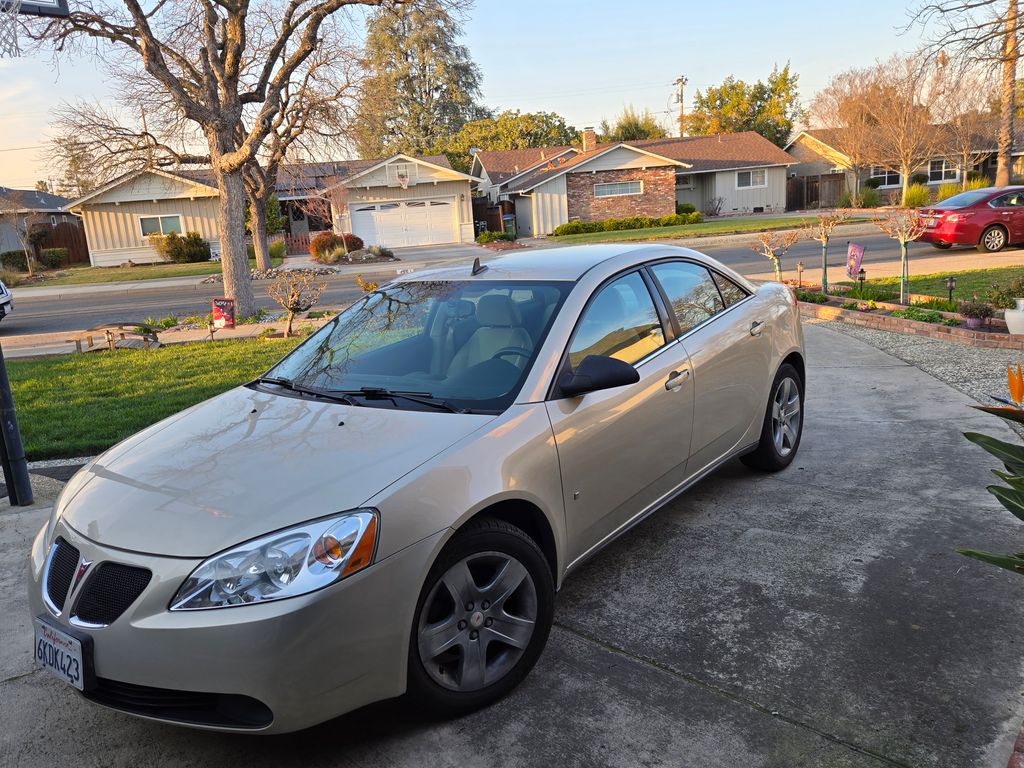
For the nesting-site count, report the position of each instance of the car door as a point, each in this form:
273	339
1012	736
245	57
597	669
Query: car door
726	333
620	450
1009	211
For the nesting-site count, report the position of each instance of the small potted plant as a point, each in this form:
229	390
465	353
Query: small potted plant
974	312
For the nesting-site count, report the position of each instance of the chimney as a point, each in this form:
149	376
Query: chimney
589	140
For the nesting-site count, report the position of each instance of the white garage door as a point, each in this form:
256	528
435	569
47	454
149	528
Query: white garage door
411	222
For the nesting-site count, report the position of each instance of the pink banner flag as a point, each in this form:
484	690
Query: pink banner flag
854	256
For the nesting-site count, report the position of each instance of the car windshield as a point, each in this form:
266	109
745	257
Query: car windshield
458	346
965	199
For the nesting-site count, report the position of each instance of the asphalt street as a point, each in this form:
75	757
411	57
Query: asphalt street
78	311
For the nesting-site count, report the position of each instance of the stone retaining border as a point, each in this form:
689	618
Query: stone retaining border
974	338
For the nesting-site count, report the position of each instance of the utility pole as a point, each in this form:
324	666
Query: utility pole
681	82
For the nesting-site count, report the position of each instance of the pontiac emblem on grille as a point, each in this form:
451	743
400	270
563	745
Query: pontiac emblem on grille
83	566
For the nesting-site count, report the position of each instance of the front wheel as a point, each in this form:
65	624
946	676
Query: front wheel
783	423
482	619
992	240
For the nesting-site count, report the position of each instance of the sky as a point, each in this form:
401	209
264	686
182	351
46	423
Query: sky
584	59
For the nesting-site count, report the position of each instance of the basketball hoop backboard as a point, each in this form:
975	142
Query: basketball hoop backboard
9	12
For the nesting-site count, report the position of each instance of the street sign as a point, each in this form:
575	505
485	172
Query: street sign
223	313
854	256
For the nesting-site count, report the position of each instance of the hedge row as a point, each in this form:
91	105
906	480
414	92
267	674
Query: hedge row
631	222
50	258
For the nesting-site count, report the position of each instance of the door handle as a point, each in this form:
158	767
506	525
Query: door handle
676	379
756	327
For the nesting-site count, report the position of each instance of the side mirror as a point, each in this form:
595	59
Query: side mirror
597	372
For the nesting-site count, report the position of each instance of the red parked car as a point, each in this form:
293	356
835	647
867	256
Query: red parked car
989	219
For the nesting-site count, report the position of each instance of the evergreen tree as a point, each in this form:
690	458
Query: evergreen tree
421	85
770	108
632	126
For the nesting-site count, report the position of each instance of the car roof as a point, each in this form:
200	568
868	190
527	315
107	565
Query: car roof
568	263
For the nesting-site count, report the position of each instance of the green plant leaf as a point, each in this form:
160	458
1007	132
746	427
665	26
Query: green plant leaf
1013	563
1009	498
1014	481
1011	455
1010	414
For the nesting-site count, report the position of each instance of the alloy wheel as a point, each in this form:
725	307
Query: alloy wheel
786	416
477	621
995	239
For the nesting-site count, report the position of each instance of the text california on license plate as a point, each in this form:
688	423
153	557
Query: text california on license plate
61	654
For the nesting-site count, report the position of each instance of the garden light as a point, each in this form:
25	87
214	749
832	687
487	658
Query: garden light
860	278
950	286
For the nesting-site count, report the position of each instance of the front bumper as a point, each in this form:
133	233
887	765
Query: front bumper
306	659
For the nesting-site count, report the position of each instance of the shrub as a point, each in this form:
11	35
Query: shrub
916	313
52	258
844	201
181	250
694	218
870	198
919	178
1003	298
326	242
981	183
572	228
10	278
13	260
685	208
809	297
489	237
978	176
714	206
381	252
672	220
942	305
277	250
946	190
976	309
872	183
918	195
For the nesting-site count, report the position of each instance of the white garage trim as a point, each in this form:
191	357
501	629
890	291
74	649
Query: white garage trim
401	223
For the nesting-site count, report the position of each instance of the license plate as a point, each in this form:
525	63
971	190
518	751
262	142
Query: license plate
60	654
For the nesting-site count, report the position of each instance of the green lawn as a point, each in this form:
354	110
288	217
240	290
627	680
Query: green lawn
81	404
83	275
720	227
968	282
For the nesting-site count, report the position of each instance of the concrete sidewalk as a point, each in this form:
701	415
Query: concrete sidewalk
818	617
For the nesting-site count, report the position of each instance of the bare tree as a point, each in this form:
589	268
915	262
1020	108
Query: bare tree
17	219
822	232
960	107
224	66
773	245
903	225
296	292
986	32
840	106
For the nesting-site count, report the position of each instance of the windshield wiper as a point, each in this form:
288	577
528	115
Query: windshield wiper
338	397
423	398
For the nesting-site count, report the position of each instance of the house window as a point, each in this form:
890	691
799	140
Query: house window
885	176
160	225
619	188
749	179
684	180
943	170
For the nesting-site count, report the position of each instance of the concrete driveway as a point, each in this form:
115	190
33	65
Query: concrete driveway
818	617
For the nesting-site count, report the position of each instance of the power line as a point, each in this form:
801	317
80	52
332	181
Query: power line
22	149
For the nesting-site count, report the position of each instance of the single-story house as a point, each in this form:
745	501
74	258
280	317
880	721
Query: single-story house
396	201
30	207
549	186
816	152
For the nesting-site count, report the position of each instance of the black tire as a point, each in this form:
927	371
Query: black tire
993	239
942	246
768	456
484	535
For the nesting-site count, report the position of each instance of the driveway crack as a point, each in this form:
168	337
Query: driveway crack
654	663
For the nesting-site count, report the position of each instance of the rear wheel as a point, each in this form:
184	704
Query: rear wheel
942	246
482	619
992	239
783	423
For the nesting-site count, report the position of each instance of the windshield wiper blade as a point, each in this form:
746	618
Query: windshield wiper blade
423	398
338	397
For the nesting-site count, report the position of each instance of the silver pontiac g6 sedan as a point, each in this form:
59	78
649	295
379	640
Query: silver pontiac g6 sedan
392	507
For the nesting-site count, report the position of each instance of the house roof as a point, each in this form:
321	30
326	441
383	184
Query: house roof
293	180
502	164
29	200
559	165
699	154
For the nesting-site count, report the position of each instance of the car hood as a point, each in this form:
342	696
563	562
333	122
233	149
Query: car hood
247	463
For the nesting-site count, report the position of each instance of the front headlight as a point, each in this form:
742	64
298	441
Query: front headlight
283	564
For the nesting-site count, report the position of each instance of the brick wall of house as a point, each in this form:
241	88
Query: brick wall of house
658	198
